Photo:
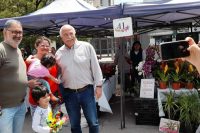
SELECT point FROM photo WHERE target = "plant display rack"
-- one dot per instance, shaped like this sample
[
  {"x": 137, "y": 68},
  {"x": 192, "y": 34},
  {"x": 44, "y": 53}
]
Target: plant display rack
[{"x": 146, "y": 111}]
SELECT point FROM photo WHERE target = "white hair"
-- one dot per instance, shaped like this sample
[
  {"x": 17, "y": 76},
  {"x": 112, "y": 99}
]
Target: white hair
[
  {"x": 66, "y": 26},
  {"x": 9, "y": 22}
]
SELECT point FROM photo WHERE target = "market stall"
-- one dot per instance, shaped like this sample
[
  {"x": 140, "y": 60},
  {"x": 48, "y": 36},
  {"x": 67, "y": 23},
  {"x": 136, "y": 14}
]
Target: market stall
[{"x": 109, "y": 85}]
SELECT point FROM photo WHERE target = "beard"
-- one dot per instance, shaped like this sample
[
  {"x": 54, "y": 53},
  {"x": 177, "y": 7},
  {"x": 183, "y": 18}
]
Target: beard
[{"x": 15, "y": 42}]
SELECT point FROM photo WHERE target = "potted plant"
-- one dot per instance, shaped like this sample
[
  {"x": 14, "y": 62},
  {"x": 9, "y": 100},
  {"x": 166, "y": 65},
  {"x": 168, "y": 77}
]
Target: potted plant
[
  {"x": 176, "y": 77},
  {"x": 189, "y": 108},
  {"x": 197, "y": 83},
  {"x": 189, "y": 76},
  {"x": 170, "y": 106},
  {"x": 163, "y": 76}
]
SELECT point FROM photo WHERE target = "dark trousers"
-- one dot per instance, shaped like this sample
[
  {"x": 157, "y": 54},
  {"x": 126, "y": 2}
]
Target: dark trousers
[
  {"x": 136, "y": 79},
  {"x": 74, "y": 101}
]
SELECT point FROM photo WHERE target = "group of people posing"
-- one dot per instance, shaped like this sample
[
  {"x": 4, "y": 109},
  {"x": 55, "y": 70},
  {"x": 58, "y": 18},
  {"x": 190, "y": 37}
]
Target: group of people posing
[
  {"x": 72, "y": 76},
  {"x": 79, "y": 82}
]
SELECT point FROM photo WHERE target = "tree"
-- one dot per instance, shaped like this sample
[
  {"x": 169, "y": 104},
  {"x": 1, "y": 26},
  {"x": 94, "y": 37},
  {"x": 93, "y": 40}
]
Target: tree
[{"x": 13, "y": 8}]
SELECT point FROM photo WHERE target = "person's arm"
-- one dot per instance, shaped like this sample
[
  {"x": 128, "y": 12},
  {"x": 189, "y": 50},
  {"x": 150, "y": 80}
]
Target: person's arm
[
  {"x": 30, "y": 59},
  {"x": 33, "y": 83},
  {"x": 194, "y": 54},
  {"x": 97, "y": 73},
  {"x": 53, "y": 79},
  {"x": 36, "y": 126}
]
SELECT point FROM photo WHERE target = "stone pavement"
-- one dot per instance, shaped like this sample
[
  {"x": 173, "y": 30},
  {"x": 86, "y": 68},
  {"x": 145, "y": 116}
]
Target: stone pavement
[{"x": 109, "y": 123}]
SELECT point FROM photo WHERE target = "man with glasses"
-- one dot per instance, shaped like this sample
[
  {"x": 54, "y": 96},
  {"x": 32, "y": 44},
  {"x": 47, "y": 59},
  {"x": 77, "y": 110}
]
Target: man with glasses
[{"x": 13, "y": 80}]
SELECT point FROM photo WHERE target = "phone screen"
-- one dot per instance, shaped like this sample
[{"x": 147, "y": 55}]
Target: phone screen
[{"x": 173, "y": 50}]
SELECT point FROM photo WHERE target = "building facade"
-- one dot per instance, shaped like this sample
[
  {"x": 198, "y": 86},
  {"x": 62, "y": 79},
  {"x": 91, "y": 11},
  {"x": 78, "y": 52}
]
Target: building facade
[
  {"x": 100, "y": 3},
  {"x": 105, "y": 3}
]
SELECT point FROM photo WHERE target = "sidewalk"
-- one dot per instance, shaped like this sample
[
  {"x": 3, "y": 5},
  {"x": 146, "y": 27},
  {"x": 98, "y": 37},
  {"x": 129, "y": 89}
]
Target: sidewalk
[{"x": 110, "y": 123}]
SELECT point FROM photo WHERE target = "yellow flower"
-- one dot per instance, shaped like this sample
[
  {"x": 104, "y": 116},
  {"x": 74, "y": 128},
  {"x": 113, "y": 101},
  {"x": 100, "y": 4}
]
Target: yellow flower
[
  {"x": 177, "y": 69},
  {"x": 166, "y": 68},
  {"x": 190, "y": 68}
]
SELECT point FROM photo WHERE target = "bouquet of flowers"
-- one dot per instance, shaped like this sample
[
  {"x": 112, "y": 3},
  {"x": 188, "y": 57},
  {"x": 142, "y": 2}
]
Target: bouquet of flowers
[
  {"x": 145, "y": 67},
  {"x": 56, "y": 121}
]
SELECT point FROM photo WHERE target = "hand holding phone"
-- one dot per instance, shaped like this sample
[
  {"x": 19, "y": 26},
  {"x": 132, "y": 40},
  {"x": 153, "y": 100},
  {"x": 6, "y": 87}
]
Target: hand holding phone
[{"x": 174, "y": 50}]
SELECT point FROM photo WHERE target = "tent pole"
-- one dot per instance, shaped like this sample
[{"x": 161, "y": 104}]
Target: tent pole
[{"x": 122, "y": 102}]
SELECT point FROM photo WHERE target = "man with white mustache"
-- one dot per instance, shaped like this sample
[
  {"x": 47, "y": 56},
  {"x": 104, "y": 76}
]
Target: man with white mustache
[
  {"x": 13, "y": 80},
  {"x": 80, "y": 72}
]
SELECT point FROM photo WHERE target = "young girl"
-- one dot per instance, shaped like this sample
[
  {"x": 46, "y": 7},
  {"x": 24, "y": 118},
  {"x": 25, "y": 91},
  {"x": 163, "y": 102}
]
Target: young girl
[
  {"x": 43, "y": 120},
  {"x": 39, "y": 69}
]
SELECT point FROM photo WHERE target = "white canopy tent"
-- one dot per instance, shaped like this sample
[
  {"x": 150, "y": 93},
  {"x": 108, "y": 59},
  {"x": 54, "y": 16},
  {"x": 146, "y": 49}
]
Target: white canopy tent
[{"x": 64, "y": 6}]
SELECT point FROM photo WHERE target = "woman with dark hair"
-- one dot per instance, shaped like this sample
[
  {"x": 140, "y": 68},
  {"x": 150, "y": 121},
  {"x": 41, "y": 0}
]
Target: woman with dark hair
[{"x": 136, "y": 57}]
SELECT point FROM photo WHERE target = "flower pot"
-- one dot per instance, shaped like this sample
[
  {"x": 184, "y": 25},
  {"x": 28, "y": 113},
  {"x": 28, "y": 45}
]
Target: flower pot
[
  {"x": 162, "y": 85},
  {"x": 176, "y": 85},
  {"x": 189, "y": 85},
  {"x": 183, "y": 84}
]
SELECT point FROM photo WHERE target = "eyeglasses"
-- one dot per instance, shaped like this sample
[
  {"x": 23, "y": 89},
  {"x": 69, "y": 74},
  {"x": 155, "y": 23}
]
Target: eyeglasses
[
  {"x": 44, "y": 46},
  {"x": 14, "y": 32}
]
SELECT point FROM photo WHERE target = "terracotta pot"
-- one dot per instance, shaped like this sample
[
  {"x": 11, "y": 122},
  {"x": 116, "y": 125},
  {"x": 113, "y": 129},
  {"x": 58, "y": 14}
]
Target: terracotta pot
[
  {"x": 176, "y": 85},
  {"x": 162, "y": 85},
  {"x": 189, "y": 85},
  {"x": 183, "y": 84}
]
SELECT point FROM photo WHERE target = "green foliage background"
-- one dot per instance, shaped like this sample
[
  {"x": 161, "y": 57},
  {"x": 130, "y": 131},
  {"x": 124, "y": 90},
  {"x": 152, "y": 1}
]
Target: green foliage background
[{"x": 15, "y": 8}]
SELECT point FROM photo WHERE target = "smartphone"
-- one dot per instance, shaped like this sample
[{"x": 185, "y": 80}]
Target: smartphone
[{"x": 173, "y": 50}]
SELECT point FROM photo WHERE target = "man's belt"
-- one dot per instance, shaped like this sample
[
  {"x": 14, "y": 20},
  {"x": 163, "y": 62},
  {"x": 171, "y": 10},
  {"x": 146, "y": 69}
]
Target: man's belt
[{"x": 76, "y": 90}]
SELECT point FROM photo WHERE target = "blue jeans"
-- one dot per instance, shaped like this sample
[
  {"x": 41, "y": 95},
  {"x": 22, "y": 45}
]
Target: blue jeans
[
  {"x": 74, "y": 101},
  {"x": 12, "y": 119}
]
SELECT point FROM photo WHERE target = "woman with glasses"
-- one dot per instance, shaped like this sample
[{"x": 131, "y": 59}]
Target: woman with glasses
[{"x": 42, "y": 46}]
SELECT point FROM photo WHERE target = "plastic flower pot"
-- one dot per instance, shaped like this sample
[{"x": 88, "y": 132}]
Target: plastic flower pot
[
  {"x": 176, "y": 85},
  {"x": 189, "y": 85},
  {"x": 162, "y": 85}
]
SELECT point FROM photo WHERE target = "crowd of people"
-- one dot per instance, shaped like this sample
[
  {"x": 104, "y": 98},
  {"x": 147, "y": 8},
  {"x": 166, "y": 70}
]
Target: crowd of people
[{"x": 71, "y": 75}]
